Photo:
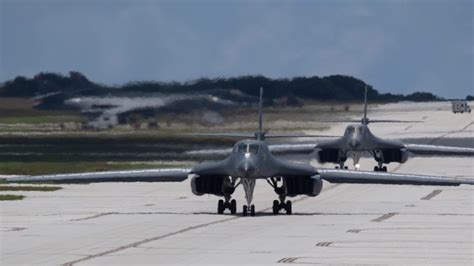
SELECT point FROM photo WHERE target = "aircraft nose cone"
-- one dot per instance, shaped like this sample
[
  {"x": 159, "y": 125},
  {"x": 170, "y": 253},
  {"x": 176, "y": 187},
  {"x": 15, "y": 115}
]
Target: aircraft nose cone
[
  {"x": 246, "y": 169},
  {"x": 354, "y": 143}
]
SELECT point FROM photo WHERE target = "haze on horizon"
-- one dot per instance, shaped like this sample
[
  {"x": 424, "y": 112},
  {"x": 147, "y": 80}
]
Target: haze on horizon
[{"x": 396, "y": 46}]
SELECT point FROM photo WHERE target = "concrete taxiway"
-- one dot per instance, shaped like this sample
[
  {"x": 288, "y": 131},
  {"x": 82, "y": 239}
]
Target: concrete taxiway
[{"x": 164, "y": 223}]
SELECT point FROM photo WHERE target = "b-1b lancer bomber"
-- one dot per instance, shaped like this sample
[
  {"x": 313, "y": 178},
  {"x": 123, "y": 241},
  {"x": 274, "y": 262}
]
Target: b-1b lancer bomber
[
  {"x": 249, "y": 161},
  {"x": 359, "y": 141}
]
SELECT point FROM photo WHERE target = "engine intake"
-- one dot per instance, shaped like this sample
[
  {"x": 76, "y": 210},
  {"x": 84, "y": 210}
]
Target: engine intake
[
  {"x": 395, "y": 155},
  {"x": 201, "y": 185},
  {"x": 310, "y": 186},
  {"x": 328, "y": 156}
]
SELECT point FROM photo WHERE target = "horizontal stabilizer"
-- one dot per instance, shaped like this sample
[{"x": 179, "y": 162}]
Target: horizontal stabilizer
[
  {"x": 224, "y": 134},
  {"x": 252, "y": 135},
  {"x": 369, "y": 121}
]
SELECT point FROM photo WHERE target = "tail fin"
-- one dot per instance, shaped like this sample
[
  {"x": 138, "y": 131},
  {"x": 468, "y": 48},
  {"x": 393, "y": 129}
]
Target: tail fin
[
  {"x": 365, "y": 120},
  {"x": 260, "y": 135}
]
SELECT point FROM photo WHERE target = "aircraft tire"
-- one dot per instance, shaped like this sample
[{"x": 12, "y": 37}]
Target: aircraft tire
[
  {"x": 244, "y": 210},
  {"x": 220, "y": 207},
  {"x": 233, "y": 206},
  {"x": 288, "y": 208},
  {"x": 252, "y": 210},
  {"x": 384, "y": 169},
  {"x": 276, "y": 207}
]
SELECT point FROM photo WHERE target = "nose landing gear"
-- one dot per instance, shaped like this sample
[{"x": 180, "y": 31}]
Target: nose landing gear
[
  {"x": 248, "y": 209},
  {"x": 249, "y": 185}
]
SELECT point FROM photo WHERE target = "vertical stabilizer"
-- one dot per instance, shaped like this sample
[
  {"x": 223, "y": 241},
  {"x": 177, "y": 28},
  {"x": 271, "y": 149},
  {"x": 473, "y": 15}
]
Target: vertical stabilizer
[
  {"x": 260, "y": 134},
  {"x": 365, "y": 121}
]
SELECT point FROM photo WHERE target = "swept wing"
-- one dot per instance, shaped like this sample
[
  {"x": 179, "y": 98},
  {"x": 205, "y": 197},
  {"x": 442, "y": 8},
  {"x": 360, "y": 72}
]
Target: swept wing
[
  {"x": 364, "y": 177},
  {"x": 146, "y": 175},
  {"x": 420, "y": 149}
]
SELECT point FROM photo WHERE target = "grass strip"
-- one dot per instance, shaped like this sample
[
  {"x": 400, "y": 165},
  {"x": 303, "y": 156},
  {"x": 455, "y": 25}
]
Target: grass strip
[
  {"x": 44, "y": 168},
  {"x": 11, "y": 197},
  {"x": 29, "y": 188}
]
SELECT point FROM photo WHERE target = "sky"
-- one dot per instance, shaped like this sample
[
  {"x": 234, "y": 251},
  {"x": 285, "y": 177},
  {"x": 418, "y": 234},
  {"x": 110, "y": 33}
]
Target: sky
[{"x": 397, "y": 46}]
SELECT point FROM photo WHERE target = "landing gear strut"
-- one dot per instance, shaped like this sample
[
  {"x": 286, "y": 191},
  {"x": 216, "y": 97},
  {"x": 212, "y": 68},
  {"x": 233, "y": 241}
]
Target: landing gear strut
[
  {"x": 231, "y": 205},
  {"x": 249, "y": 185}
]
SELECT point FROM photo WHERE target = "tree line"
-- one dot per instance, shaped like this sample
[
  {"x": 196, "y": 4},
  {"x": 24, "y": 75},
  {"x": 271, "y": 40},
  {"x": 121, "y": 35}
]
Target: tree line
[{"x": 334, "y": 87}]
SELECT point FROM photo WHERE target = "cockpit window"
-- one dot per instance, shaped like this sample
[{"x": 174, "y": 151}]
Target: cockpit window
[
  {"x": 253, "y": 149},
  {"x": 248, "y": 148},
  {"x": 349, "y": 130},
  {"x": 242, "y": 148}
]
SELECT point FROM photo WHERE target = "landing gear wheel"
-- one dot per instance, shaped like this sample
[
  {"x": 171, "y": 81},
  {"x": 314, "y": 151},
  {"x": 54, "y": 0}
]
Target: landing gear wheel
[
  {"x": 384, "y": 169},
  {"x": 276, "y": 207},
  {"x": 220, "y": 207},
  {"x": 288, "y": 208},
  {"x": 252, "y": 210},
  {"x": 376, "y": 168},
  {"x": 345, "y": 167},
  {"x": 244, "y": 210},
  {"x": 233, "y": 206}
]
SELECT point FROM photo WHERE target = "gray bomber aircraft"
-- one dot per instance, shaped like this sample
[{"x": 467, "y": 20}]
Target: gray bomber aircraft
[
  {"x": 248, "y": 161},
  {"x": 358, "y": 141}
]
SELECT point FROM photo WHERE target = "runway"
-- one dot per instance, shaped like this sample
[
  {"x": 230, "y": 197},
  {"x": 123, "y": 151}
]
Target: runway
[{"x": 164, "y": 223}]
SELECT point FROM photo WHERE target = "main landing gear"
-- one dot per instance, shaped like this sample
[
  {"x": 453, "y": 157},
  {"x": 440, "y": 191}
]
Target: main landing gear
[
  {"x": 282, "y": 205},
  {"x": 380, "y": 168},
  {"x": 341, "y": 165},
  {"x": 230, "y": 205},
  {"x": 281, "y": 191},
  {"x": 378, "y": 156}
]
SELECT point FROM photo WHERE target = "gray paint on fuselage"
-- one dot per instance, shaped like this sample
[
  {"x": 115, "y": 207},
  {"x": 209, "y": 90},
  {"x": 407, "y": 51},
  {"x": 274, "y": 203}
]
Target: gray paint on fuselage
[
  {"x": 358, "y": 137},
  {"x": 256, "y": 165}
]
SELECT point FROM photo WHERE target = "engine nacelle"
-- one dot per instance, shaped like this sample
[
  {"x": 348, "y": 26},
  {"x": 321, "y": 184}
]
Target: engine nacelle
[
  {"x": 310, "y": 186},
  {"x": 201, "y": 185},
  {"x": 328, "y": 156},
  {"x": 395, "y": 155}
]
